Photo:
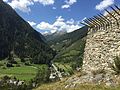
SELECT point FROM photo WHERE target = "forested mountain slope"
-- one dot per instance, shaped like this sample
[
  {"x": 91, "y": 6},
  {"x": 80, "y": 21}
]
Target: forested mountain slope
[
  {"x": 18, "y": 38},
  {"x": 70, "y": 47}
]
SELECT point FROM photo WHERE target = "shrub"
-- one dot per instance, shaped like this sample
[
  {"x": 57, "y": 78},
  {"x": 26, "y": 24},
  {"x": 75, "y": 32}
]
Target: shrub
[
  {"x": 4, "y": 67},
  {"x": 6, "y": 77},
  {"x": 12, "y": 61},
  {"x": 9, "y": 65},
  {"x": 42, "y": 75},
  {"x": 27, "y": 63},
  {"x": 1, "y": 64},
  {"x": 22, "y": 60},
  {"x": 18, "y": 65}
]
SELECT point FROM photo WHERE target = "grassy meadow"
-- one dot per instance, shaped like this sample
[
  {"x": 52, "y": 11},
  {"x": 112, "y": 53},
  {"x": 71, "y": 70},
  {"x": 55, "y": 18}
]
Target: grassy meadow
[
  {"x": 22, "y": 73},
  {"x": 20, "y": 70}
]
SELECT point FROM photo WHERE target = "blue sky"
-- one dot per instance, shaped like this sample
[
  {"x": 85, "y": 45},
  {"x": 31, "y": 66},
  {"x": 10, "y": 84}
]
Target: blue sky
[{"x": 58, "y": 15}]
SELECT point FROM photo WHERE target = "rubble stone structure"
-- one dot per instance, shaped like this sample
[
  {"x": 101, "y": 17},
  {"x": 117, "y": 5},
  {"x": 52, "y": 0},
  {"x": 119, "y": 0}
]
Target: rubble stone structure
[{"x": 102, "y": 45}]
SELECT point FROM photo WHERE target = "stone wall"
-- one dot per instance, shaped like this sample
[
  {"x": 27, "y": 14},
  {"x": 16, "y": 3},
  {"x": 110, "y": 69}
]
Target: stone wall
[{"x": 102, "y": 46}]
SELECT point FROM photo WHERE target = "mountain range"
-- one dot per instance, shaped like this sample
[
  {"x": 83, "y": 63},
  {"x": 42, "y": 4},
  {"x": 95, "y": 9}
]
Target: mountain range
[
  {"x": 19, "y": 39},
  {"x": 69, "y": 46}
]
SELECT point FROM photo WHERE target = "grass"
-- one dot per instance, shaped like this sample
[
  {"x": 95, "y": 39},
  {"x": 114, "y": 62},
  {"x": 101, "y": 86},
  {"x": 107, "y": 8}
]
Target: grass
[
  {"x": 21, "y": 73},
  {"x": 61, "y": 86},
  {"x": 65, "y": 67},
  {"x": 71, "y": 53}
]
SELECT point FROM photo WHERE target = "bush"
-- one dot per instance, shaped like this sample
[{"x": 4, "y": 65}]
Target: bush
[
  {"x": 74, "y": 66},
  {"x": 42, "y": 75},
  {"x": 6, "y": 77},
  {"x": 1, "y": 64},
  {"x": 12, "y": 61},
  {"x": 9, "y": 65},
  {"x": 18, "y": 65},
  {"x": 27, "y": 63},
  {"x": 4, "y": 67},
  {"x": 22, "y": 60}
]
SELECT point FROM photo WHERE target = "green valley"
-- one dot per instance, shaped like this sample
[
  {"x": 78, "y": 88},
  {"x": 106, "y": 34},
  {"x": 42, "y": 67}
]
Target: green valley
[
  {"x": 70, "y": 48},
  {"x": 57, "y": 45}
]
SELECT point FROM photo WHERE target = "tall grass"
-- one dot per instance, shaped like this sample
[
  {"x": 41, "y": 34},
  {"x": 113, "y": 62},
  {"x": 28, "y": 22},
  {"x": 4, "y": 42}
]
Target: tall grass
[{"x": 116, "y": 65}]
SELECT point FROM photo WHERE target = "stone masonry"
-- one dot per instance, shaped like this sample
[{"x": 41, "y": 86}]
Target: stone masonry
[{"x": 102, "y": 46}]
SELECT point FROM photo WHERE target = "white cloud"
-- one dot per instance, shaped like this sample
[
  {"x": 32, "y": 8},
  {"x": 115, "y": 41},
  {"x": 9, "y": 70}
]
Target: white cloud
[
  {"x": 59, "y": 22},
  {"x": 68, "y": 3},
  {"x": 46, "y": 26},
  {"x": 45, "y": 2},
  {"x": 73, "y": 27},
  {"x": 83, "y": 19},
  {"x": 104, "y": 4},
  {"x": 5, "y": 0},
  {"x": 44, "y": 33},
  {"x": 59, "y": 25},
  {"x": 105, "y": 13},
  {"x": 54, "y": 8},
  {"x": 22, "y": 5},
  {"x": 71, "y": 21},
  {"x": 53, "y": 31},
  {"x": 65, "y": 6},
  {"x": 32, "y": 23}
]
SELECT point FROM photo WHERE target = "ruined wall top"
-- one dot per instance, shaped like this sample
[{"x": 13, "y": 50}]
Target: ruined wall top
[{"x": 103, "y": 42}]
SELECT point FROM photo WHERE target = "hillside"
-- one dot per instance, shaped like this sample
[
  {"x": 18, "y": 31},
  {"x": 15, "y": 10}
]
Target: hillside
[
  {"x": 52, "y": 36},
  {"x": 19, "y": 39},
  {"x": 66, "y": 39},
  {"x": 70, "y": 49},
  {"x": 63, "y": 85}
]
